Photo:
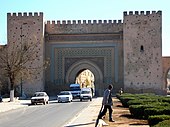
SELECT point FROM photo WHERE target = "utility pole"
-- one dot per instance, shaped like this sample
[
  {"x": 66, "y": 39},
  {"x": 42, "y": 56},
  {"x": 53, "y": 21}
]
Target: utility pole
[{"x": 21, "y": 57}]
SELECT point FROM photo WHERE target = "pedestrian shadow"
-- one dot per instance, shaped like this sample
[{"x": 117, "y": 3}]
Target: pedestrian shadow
[
  {"x": 80, "y": 125},
  {"x": 129, "y": 116}
]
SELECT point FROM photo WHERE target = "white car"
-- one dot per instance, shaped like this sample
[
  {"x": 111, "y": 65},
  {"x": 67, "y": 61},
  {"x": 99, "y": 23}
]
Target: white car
[
  {"x": 40, "y": 97},
  {"x": 86, "y": 94},
  {"x": 65, "y": 96}
]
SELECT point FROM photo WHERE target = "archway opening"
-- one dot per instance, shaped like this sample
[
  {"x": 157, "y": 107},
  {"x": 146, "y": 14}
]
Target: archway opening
[
  {"x": 80, "y": 66},
  {"x": 168, "y": 82},
  {"x": 86, "y": 79}
]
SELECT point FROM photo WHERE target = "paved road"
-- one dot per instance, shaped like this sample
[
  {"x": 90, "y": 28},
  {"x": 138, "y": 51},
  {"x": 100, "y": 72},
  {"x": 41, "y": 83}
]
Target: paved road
[{"x": 50, "y": 115}]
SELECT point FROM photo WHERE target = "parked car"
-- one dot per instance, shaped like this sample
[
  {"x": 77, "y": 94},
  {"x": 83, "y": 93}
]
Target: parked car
[
  {"x": 65, "y": 96},
  {"x": 40, "y": 97},
  {"x": 86, "y": 94}
]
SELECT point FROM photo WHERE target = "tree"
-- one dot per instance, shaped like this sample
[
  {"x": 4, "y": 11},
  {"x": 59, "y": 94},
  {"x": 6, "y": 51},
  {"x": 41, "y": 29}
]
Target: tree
[{"x": 15, "y": 62}]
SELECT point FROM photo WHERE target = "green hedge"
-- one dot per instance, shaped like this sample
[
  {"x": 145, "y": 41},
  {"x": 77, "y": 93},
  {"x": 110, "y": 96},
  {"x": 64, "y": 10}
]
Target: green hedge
[
  {"x": 141, "y": 101},
  {"x": 138, "y": 110},
  {"x": 153, "y": 111},
  {"x": 165, "y": 123},
  {"x": 147, "y": 106},
  {"x": 134, "y": 102},
  {"x": 166, "y": 99},
  {"x": 125, "y": 100},
  {"x": 153, "y": 120},
  {"x": 133, "y": 99},
  {"x": 157, "y": 109}
]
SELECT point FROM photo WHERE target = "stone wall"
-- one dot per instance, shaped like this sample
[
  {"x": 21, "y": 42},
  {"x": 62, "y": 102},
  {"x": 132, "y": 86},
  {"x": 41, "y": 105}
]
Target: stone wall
[
  {"x": 136, "y": 48},
  {"x": 76, "y": 27},
  {"x": 143, "y": 52}
]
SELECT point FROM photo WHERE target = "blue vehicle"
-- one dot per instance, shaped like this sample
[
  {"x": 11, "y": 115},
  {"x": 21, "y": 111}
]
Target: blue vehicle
[{"x": 75, "y": 90}]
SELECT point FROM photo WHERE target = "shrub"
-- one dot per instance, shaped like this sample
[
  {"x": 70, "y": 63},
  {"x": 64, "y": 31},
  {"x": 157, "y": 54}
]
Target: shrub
[
  {"x": 167, "y": 110},
  {"x": 153, "y": 111},
  {"x": 165, "y": 123},
  {"x": 153, "y": 120},
  {"x": 157, "y": 109},
  {"x": 145, "y": 105},
  {"x": 138, "y": 110},
  {"x": 125, "y": 97},
  {"x": 166, "y": 99},
  {"x": 135, "y": 102},
  {"x": 125, "y": 100},
  {"x": 141, "y": 101}
]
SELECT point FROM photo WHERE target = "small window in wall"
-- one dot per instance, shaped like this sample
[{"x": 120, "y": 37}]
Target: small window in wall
[{"x": 141, "y": 48}]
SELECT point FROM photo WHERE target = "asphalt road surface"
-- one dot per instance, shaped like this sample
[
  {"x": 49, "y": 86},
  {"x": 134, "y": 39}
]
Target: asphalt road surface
[{"x": 51, "y": 115}]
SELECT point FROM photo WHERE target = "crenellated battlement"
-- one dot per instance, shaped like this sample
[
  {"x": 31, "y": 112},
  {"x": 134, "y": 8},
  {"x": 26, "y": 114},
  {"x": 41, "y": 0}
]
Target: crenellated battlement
[
  {"x": 83, "y": 26},
  {"x": 25, "y": 14},
  {"x": 58, "y": 22},
  {"x": 125, "y": 13}
]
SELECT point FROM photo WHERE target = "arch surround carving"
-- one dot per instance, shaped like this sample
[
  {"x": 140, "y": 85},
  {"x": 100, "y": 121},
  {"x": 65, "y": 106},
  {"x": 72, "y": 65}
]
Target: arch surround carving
[{"x": 84, "y": 64}]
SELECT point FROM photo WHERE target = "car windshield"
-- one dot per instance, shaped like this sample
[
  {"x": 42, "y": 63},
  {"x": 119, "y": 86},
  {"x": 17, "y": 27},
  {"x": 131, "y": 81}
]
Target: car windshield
[
  {"x": 39, "y": 94},
  {"x": 64, "y": 93},
  {"x": 85, "y": 92},
  {"x": 76, "y": 88}
]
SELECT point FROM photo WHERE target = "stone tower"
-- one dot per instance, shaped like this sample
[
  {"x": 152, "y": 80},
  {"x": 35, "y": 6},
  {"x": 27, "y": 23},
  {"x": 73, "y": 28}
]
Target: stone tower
[
  {"x": 28, "y": 28},
  {"x": 143, "y": 52}
]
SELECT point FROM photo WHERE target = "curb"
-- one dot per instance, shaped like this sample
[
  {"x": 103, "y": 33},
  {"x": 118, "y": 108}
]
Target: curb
[{"x": 91, "y": 111}]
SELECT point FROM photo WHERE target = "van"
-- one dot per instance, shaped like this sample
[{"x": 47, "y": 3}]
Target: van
[
  {"x": 86, "y": 94},
  {"x": 75, "y": 90}
]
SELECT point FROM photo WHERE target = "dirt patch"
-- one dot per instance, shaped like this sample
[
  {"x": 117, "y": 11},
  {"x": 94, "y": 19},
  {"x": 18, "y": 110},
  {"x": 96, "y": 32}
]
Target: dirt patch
[{"x": 123, "y": 118}]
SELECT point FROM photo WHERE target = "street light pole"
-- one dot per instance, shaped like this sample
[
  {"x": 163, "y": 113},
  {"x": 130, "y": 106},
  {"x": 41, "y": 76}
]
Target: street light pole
[{"x": 21, "y": 57}]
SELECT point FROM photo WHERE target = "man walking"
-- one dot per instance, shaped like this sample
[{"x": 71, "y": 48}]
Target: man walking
[{"x": 107, "y": 103}]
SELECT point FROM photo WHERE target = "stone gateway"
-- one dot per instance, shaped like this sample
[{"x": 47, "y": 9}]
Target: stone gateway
[{"x": 127, "y": 54}]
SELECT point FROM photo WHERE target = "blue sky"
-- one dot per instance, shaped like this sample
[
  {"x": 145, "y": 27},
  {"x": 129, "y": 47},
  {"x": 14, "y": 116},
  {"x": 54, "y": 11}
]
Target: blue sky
[{"x": 86, "y": 10}]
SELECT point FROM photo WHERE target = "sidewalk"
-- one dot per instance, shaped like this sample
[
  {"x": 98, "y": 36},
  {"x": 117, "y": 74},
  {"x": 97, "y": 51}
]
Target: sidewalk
[
  {"x": 6, "y": 105},
  {"x": 121, "y": 115},
  {"x": 87, "y": 117}
]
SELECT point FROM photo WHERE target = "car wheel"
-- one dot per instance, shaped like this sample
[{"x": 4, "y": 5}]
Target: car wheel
[
  {"x": 47, "y": 102},
  {"x": 44, "y": 102},
  {"x": 80, "y": 99},
  {"x": 90, "y": 99}
]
